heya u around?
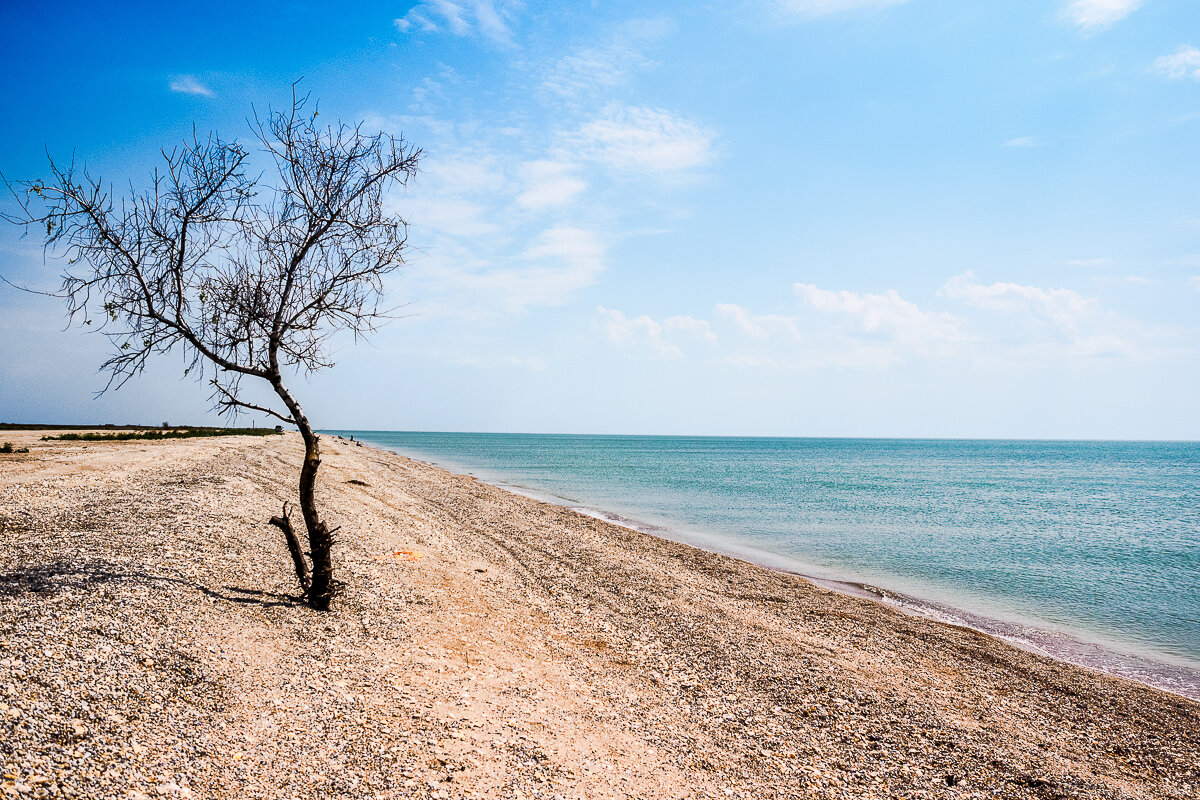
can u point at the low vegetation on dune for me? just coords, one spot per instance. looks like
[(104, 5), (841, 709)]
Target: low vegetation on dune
[(156, 433)]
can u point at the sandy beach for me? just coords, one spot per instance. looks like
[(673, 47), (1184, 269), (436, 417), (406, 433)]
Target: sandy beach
[(490, 645)]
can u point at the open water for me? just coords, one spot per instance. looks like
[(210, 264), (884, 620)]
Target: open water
[(1088, 551)]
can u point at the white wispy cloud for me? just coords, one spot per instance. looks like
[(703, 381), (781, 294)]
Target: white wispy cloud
[(1095, 15), (654, 338), (1183, 63), (451, 215), (464, 173), (456, 195), (1024, 141), (1000, 323), (645, 140), (1194, 282), (504, 211), (548, 184), (609, 64), (886, 314), (579, 248), (551, 271), (189, 84), (835, 335), (1048, 322), (641, 330), (486, 279), (497, 233), (865, 329), (809, 9), (763, 329), (462, 18), (698, 329), (838, 328), (1063, 308), (493, 233), (743, 320)]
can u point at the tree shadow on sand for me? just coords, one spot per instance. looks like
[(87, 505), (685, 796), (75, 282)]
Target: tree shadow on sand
[(58, 577)]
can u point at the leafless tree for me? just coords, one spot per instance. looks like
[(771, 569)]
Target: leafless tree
[(249, 277)]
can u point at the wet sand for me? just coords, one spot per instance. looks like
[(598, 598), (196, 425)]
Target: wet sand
[(487, 644)]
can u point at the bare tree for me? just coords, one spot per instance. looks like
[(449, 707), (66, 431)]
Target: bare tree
[(250, 278)]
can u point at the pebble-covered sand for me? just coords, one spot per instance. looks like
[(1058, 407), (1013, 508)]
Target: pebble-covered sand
[(488, 645)]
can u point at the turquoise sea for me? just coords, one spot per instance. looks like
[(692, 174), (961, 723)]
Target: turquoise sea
[(1088, 551)]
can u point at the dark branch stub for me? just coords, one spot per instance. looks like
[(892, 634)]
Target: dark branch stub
[(284, 523), (250, 280)]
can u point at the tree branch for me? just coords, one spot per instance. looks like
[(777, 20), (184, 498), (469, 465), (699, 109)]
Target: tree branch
[(231, 401)]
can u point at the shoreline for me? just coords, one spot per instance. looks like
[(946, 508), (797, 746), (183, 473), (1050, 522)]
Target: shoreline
[(486, 645), (1151, 669)]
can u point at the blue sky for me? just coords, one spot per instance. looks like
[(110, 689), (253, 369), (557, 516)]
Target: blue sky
[(787, 217)]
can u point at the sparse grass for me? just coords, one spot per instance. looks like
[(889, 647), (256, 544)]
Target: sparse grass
[(8, 448), (154, 434)]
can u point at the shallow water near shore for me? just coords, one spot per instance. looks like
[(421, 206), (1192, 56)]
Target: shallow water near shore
[(1087, 551)]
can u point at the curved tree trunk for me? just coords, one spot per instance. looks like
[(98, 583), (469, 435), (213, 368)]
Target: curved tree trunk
[(320, 539)]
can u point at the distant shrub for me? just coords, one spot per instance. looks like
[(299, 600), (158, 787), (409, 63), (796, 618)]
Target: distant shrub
[(6, 448), (176, 433)]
